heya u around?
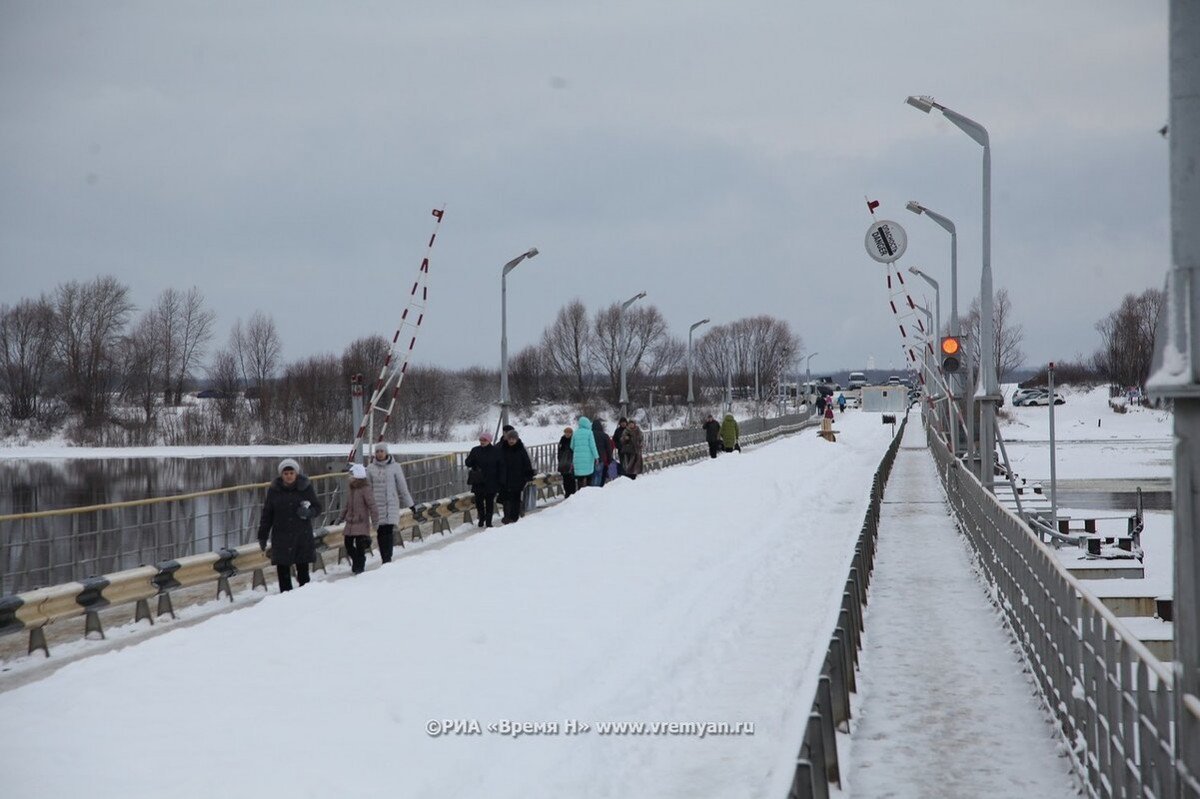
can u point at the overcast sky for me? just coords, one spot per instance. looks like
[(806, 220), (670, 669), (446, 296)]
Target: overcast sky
[(286, 156)]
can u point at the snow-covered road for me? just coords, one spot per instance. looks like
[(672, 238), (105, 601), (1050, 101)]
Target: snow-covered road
[(944, 708), (703, 593)]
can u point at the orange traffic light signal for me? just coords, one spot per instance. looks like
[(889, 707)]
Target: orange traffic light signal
[(951, 349)]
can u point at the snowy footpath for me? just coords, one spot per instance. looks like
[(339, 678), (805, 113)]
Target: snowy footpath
[(944, 708), (694, 604)]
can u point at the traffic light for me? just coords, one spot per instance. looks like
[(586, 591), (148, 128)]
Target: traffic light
[(951, 352)]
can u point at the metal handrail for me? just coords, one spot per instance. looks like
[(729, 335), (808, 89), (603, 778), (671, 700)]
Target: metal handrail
[(1111, 698), (817, 764)]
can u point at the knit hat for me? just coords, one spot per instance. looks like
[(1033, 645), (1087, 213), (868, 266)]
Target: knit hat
[(358, 471), (381, 447), (485, 437), (289, 463)]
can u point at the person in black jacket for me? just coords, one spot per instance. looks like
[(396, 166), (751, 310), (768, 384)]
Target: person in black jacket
[(483, 463), (566, 462), (515, 471), (617, 437), (286, 522), (604, 447), (712, 434)]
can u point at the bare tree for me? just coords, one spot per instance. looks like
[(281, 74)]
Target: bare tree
[(141, 365), (528, 375), (566, 346), (89, 319), (761, 345), (184, 327), (26, 355), (224, 377), (365, 356), (1127, 338), (1007, 354), (257, 347), (642, 329)]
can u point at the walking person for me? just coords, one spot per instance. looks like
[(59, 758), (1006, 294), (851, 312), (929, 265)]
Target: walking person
[(729, 434), (631, 450), (841, 401), (286, 523), (483, 475), (566, 462), (391, 496), (820, 404), (359, 516), (617, 437), (585, 456), (604, 448), (515, 471), (712, 434)]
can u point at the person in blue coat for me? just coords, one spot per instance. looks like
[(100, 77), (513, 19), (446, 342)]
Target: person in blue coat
[(586, 456)]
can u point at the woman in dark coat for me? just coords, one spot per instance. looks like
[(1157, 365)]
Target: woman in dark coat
[(631, 450), (483, 463), (566, 462), (515, 471), (604, 447), (286, 522)]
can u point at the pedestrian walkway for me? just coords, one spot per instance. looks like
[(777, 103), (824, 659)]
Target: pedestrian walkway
[(944, 708)]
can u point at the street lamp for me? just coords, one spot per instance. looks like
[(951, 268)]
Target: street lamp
[(988, 392), (955, 329), (937, 295), (508, 267), (808, 379), (621, 344), (691, 396)]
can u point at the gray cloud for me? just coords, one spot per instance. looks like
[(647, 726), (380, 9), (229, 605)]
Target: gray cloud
[(713, 155)]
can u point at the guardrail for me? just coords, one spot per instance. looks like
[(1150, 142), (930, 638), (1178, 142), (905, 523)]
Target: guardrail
[(50, 547), (1111, 698), (34, 610), (817, 761)]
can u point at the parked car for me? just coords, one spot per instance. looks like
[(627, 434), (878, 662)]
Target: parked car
[(1042, 397), (856, 380), (1021, 394), (853, 401), (894, 380)]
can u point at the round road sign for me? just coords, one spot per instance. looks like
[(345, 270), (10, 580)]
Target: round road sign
[(886, 241)]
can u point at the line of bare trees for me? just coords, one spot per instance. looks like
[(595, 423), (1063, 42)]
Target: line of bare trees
[(84, 355), (578, 357)]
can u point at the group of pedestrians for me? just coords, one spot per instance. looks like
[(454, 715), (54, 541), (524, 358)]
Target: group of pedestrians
[(377, 494), (499, 471), (589, 456), (722, 435)]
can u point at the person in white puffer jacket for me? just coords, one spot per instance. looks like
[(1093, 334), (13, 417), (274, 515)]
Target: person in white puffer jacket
[(391, 496)]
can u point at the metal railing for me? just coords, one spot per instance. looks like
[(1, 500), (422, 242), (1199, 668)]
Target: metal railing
[(49, 547), (86, 596), (1111, 698), (817, 761)]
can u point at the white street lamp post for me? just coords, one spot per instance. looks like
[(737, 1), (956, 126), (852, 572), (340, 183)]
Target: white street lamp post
[(691, 395), (621, 344), (988, 392), (508, 267), (808, 389), (966, 383)]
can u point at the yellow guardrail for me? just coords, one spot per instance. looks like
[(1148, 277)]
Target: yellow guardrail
[(34, 610)]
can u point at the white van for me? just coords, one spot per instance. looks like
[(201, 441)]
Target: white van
[(856, 380)]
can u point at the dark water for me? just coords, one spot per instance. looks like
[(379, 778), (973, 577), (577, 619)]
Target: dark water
[(1114, 500), (39, 485), (53, 549)]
